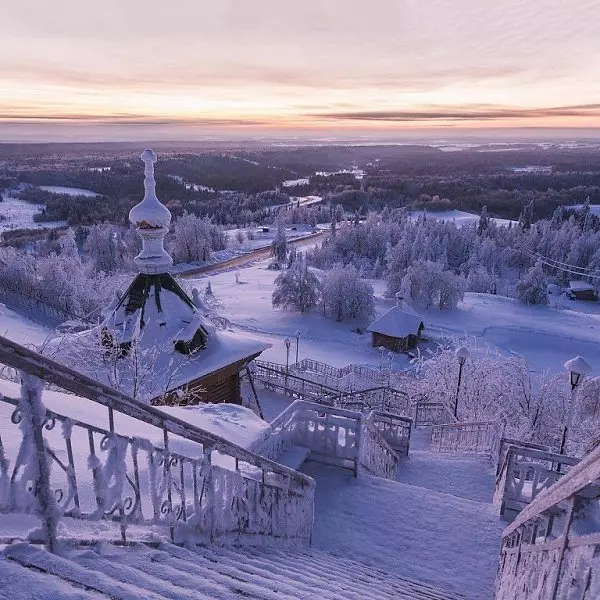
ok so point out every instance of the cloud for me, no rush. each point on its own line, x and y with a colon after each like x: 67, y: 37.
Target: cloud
x: 475, y: 113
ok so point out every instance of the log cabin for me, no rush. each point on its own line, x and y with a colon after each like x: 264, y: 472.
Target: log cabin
x: 398, y: 329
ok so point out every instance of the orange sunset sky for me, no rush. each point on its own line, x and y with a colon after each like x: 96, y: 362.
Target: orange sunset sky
x: 113, y: 68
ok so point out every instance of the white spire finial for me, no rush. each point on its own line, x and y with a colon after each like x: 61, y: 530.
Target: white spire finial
x: 152, y: 220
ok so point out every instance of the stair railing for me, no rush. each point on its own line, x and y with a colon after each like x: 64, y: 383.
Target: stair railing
x: 524, y: 474
x: 552, y: 548
x: 482, y: 438
x: 432, y: 413
x: 339, y: 437
x: 212, y: 490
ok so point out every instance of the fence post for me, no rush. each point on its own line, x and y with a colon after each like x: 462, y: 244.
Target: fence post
x: 34, y: 414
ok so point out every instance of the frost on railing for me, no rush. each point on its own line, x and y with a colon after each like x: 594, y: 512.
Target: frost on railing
x: 467, y: 438
x: 275, y: 377
x: 331, y: 434
x: 524, y: 474
x: 552, y: 549
x: 340, y: 437
x: 55, y: 466
x: 432, y: 413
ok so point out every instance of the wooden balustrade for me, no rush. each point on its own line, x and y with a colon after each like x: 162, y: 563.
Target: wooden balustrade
x: 524, y: 474
x: 340, y: 437
x: 467, y: 438
x: 221, y: 492
x: 552, y: 548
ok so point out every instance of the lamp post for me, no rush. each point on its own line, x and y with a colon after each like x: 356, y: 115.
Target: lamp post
x: 461, y: 354
x: 287, y: 343
x: 297, y: 343
x: 577, y: 368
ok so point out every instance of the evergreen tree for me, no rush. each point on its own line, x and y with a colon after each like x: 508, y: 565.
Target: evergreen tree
x: 297, y: 287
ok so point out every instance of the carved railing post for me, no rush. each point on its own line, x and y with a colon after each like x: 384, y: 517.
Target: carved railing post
x: 33, y: 416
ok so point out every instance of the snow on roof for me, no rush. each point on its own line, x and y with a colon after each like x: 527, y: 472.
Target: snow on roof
x: 231, y: 421
x: 580, y: 286
x: 399, y: 321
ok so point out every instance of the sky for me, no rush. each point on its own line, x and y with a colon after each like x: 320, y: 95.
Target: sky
x: 123, y: 68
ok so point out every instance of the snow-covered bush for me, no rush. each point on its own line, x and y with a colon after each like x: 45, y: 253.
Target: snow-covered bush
x: 531, y: 289
x: 346, y: 295
x: 297, y: 287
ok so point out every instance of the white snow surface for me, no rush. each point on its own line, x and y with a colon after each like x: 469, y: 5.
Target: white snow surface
x: 544, y: 335
x: 436, y: 524
x: 459, y: 217
x: 71, y: 191
x: 19, y: 215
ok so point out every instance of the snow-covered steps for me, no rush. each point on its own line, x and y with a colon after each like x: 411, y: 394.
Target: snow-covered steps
x: 168, y: 571
x: 294, y: 457
x: 410, y: 530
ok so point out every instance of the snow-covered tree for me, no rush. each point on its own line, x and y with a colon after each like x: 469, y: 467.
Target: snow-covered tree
x: 194, y: 238
x: 297, y: 287
x: 279, y: 244
x: 346, y: 295
x: 484, y: 221
x: 531, y: 289
x: 427, y: 283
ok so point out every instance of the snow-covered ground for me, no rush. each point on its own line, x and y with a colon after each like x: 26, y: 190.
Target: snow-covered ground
x: 545, y: 336
x: 21, y: 329
x: 459, y: 217
x: 71, y: 191
x: 18, y: 214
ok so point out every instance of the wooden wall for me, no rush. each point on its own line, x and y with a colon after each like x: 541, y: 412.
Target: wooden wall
x: 217, y: 387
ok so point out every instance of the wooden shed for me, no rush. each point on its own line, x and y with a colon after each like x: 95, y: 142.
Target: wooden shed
x: 580, y: 290
x: 398, y: 329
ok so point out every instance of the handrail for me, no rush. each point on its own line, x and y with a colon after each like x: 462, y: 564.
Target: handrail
x: 579, y: 476
x: 289, y: 376
x: 507, y: 442
x: 19, y: 357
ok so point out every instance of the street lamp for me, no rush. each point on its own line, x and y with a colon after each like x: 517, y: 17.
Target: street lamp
x: 297, y: 342
x: 577, y: 368
x: 461, y: 354
x: 287, y: 343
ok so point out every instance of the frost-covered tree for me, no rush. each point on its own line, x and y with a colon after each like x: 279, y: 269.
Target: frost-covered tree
x: 531, y: 289
x: 68, y: 244
x: 297, y: 287
x: 104, y: 249
x: 484, y: 221
x: 427, y: 283
x: 279, y: 245
x: 194, y: 238
x: 346, y: 295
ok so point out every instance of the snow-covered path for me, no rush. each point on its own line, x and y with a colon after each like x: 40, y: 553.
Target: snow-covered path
x: 436, y: 524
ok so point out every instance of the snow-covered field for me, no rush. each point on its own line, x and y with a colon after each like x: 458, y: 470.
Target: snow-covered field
x: 71, y: 191
x: 545, y: 336
x: 459, y: 217
x: 18, y: 214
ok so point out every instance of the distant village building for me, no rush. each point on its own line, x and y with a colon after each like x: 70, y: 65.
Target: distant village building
x: 398, y: 329
x: 157, y: 338
x: 580, y: 290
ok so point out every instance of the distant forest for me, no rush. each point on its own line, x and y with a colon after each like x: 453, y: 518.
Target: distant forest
x: 237, y: 186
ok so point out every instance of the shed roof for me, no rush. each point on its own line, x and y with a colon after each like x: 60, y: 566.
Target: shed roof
x: 399, y: 321
x: 580, y: 286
